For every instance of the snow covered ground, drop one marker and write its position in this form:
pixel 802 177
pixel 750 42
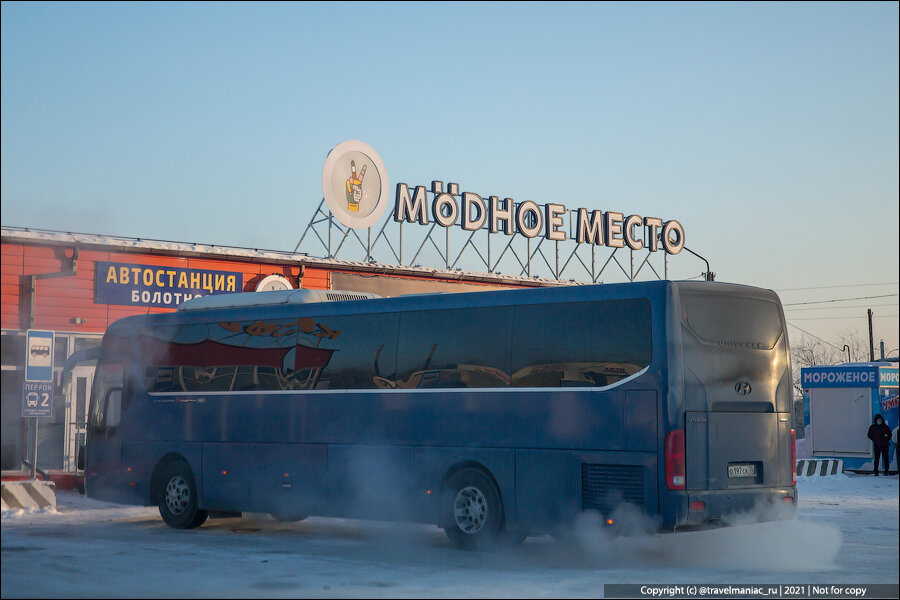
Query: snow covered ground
pixel 846 532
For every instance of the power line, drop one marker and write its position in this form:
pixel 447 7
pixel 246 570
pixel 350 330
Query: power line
pixel 841 300
pixel 838 318
pixel 829 287
pixel 893 304
pixel 815 336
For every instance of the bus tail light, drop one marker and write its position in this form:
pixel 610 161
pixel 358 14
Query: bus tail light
pixel 675 460
pixel 793 458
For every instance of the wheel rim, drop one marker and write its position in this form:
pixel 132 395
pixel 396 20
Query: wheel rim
pixel 470 509
pixel 178 495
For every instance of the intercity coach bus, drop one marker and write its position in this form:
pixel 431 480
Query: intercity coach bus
pixel 494 415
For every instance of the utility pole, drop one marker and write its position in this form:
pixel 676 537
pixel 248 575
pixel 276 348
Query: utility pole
pixel 871 341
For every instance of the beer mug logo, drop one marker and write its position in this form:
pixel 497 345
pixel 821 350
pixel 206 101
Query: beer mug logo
pixel 354 187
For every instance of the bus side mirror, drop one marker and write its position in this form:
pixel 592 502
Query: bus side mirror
pixel 110 409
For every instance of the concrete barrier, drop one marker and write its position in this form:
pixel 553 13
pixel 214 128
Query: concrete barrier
pixel 28 495
pixel 819 466
pixel 64 480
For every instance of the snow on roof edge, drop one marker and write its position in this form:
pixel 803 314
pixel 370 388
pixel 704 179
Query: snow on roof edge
pixel 28 235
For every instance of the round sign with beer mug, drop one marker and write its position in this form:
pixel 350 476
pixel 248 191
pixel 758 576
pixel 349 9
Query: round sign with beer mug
pixel 355 184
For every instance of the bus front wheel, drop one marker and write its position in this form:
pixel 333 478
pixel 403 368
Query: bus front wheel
pixel 472 513
pixel 177 495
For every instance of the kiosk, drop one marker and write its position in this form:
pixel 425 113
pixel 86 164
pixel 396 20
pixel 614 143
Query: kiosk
pixel 839 404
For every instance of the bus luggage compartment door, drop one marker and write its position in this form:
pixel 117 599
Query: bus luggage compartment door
pixel 733 450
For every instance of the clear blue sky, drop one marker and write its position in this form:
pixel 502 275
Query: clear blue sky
pixel 770 130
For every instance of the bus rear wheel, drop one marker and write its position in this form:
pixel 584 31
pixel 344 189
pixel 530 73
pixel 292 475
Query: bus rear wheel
pixel 472 513
pixel 177 494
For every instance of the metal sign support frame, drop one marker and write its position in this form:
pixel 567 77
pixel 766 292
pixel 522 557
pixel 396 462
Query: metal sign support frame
pixel 562 263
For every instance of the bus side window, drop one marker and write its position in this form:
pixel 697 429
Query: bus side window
pixel 590 344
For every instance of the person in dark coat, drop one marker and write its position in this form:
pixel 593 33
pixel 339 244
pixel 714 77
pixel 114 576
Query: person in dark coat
pixel 880 434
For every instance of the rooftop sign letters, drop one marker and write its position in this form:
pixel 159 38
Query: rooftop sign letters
pixel 354 182
pixel 472 212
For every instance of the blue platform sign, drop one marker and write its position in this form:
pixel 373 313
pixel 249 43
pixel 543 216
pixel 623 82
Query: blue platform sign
pixel 37 399
pixel 39 355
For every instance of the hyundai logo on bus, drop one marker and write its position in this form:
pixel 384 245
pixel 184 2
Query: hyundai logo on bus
pixel 355 187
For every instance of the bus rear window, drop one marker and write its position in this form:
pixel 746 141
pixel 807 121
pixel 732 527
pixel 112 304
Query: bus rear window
pixel 732 321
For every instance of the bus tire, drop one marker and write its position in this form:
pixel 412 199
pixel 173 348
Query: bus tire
pixel 472 513
pixel 177 496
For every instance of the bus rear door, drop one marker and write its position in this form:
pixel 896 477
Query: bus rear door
pixel 737 393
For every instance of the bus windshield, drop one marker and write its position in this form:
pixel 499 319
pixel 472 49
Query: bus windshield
pixel 730 321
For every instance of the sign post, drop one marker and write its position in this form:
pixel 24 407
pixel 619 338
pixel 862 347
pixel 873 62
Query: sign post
pixel 37 390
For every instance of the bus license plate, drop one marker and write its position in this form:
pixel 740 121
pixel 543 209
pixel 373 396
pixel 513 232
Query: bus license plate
pixel 742 470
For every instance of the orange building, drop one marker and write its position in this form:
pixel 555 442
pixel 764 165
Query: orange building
pixel 76 285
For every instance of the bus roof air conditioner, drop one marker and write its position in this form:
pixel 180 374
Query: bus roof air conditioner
pixel 218 301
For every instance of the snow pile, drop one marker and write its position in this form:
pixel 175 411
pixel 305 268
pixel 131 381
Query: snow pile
pixel 804 448
pixel 72 508
pixel 21 512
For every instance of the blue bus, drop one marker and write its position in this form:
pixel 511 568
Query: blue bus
pixel 493 415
